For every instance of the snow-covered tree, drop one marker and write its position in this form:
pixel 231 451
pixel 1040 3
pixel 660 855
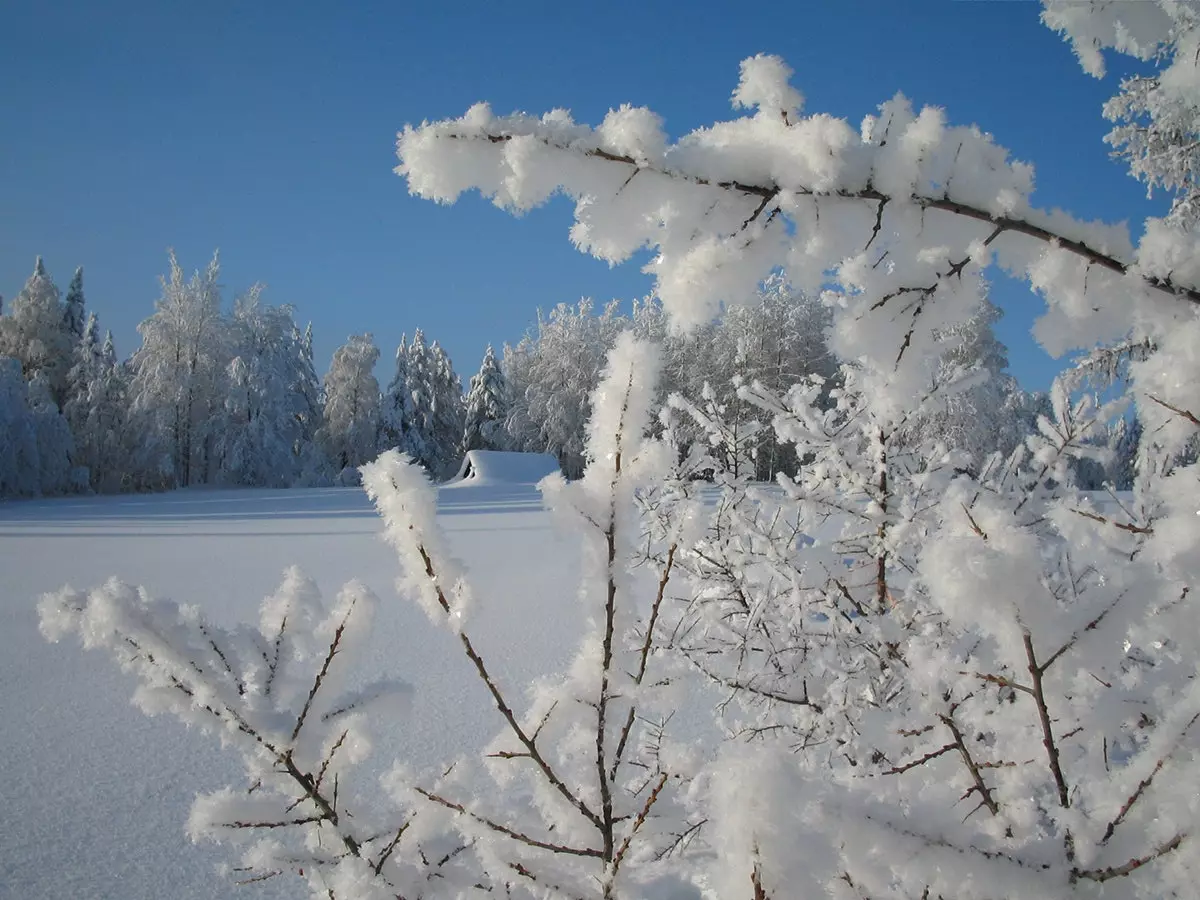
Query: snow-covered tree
pixel 775 341
pixel 423 406
pixel 36 447
pixel 401 425
pixel 551 376
pixel 486 407
pixel 446 413
pixel 33 332
pixel 177 389
pixel 1157 114
pixel 96 409
pixel 57 472
pixel 74 310
pixel 20 466
pixel 983 410
pixel 313 464
pixel 350 428
pixel 266 423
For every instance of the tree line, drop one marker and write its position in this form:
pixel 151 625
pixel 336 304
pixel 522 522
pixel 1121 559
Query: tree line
pixel 217 396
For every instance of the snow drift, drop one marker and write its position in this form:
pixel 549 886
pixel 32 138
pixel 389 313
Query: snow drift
pixel 482 467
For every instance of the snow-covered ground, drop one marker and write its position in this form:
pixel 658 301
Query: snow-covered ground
pixel 95 795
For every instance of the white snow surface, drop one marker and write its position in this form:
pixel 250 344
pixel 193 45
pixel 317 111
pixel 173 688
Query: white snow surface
pixel 499 467
pixel 96 795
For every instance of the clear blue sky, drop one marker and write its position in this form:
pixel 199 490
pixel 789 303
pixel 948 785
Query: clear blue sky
pixel 268 129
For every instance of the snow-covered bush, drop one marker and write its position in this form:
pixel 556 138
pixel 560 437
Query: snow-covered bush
pixel 977 669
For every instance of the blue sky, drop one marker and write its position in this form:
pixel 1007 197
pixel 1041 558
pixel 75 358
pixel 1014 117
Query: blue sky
pixel 268 129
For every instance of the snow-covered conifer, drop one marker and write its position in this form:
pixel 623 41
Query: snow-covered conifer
pixel 486 407
pixel 308 450
pixel 400 427
pixel 33 332
pixel 446 413
pixel 74 311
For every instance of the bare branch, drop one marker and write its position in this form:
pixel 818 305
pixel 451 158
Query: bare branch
pixel 502 705
pixel 1187 414
pixel 334 644
pixel 506 831
pixel 1143 785
pixel 1124 526
pixel 1127 868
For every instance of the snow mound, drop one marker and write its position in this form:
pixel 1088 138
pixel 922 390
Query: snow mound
pixel 481 467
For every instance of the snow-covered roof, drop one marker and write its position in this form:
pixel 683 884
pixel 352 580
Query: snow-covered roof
pixel 502 467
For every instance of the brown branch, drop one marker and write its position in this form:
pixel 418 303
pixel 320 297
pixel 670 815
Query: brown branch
pixel 878 224
pixel 1000 680
pixel 610 618
pixel 767 198
pixel 327 810
pixel 1124 526
pixel 981 788
pixel 502 705
pixel 1142 786
pixel 869 193
pixel 387 851
pixel 638 822
pixel 974 525
pixel 647 643
pixel 1128 868
pixel 273 664
pixel 255 879
pixel 1039 696
pixel 749 688
pixel 329 759
pixel 944 844
pixel 554 889
pixel 1187 414
pixel 945 204
pixel 1074 639
pixel 920 761
pixel 283 823
pixel 506 831
pixel 319 680
pixel 241 687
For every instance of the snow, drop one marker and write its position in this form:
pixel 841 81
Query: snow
pixel 97 796
pixel 496 467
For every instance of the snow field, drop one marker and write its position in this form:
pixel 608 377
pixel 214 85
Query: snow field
pixel 97 795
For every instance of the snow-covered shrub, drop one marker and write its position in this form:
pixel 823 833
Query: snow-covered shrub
pixel 972 673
